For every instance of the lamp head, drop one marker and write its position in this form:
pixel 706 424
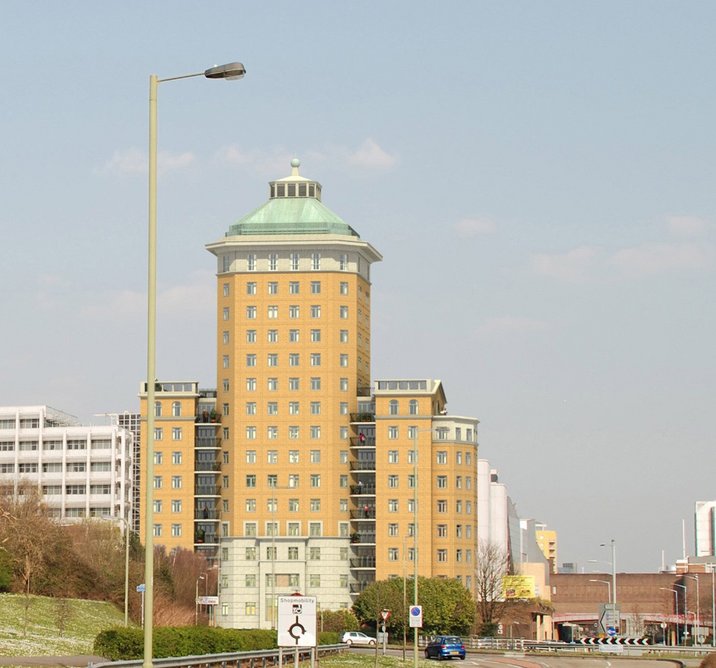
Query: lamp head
pixel 228 71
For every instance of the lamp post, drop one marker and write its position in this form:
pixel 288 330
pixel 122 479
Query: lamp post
pixel 698 609
pixel 229 71
pixel 686 621
pixel 676 604
pixel 415 535
pixel 614 570
pixel 196 598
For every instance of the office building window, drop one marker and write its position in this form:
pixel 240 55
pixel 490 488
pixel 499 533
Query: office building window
pixel 315 480
pixel 343 312
pixel 250 313
pixel 251 456
pixel 272 287
pixel 316 311
pixel 315 261
pixel 344 385
pixel 344 360
pixel 272 312
pixel 251 262
pixel 294 311
pixel 295 259
pixel 250 288
pixel 272 384
pixel 294 359
pixel 315 431
pixel 251 384
pixel 315 336
pixel 344 336
pixel 344 286
pixel 315 287
pixel 250 505
pixel 273 261
pixel 272 336
pixel 315 383
pixel 315 408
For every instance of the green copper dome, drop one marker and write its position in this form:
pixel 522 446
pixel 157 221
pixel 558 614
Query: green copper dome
pixel 294 207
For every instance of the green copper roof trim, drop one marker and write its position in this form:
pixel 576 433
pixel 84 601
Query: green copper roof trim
pixel 291 215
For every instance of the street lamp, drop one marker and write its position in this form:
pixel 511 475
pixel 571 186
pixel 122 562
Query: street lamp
pixel 416 431
pixel 196 598
pixel 614 570
pixel 698 609
pixel 229 71
pixel 676 599
pixel 609 587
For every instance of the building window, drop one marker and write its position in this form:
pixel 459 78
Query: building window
pixel 250 505
pixel 272 359
pixel 250 288
pixel 315 359
pixel 294 528
pixel 251 480
pixel 293 553
pixel 293 432
pixel 315 261
pixel 176 409
pixel 293 458
pixel 226 313
pixel 315 431
pixel 441 457
pixel 315 336
pixel 393 433
pixel 343 312
pixel 315 505
pixel 176 505
pixel 272 336
pixel 315 480
pixel 441 482
pixel 315 408
pixel 176 482
pixel 273 287
pixel 344 360
pixel 315 287
pixel 272 312
pixel 251 262
pixel 315 383
pixel 442 505
pixel 272 384
pixel 442 530
pixel 392 554
pixel 344 336
pixel 294 359
pixel 343 262
pixel 442 555
pixel 176 529
pixel 295 259
pixel 294 287
pixel 344 286
pixel 392 505
pixel 251 384
pixel 316 311
pixel 294 311
pixel 273 261
pixel 250 360
pixel 176 433
pixel 250 408
pixel 344 385
pixel 294 383
pixel 250 433
pixel 293 335
pixel 272 458
pixel 343 433
pixel 392 456
pixel 251 456
pixel 393 481
pixel 250 312
pixel 393 407
pixel 176 457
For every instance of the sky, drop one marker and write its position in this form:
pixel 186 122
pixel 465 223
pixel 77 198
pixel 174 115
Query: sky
pixel 538 175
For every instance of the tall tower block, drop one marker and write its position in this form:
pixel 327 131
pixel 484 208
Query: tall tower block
pixel 293 355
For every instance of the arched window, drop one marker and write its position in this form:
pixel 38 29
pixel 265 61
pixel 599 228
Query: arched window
pixel 413 406
pixel 393 406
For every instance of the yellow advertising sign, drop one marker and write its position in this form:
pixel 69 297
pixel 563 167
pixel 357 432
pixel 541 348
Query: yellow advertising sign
pixel 518 586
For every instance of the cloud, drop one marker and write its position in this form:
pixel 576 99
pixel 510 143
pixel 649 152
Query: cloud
pixel 133 161
pixel 688 226
pixel 510 325
pixel 649 259
pixel 194 299
pixel 369 156
pixel 574 265
pixel 473 227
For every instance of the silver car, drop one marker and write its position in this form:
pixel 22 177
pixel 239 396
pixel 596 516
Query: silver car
pixel 357 638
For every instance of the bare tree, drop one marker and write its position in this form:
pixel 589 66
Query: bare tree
pixel 492 566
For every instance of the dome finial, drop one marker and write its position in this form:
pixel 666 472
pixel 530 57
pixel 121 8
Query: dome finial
pixel 295 164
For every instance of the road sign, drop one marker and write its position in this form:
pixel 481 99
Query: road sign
pixel 297 621
pixel 141 588
pixel 385 614
pixel 416 616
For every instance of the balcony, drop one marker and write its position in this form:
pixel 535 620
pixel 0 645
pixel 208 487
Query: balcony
pixel 368 465
pixel 207 490
pixel 365 513
pixel 358 587
pixel 207 442
pixel 362 417
pixel 207 466
pixel 206 514
pixel 360 490
pixel 203 538
pixel 363 537
pixel 363 562
pixel 363 441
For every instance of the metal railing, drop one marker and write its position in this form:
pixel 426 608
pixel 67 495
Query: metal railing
pixel 257 659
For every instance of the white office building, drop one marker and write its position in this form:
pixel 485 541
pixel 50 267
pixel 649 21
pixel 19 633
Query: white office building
pixel 82 471
pixel 705 528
